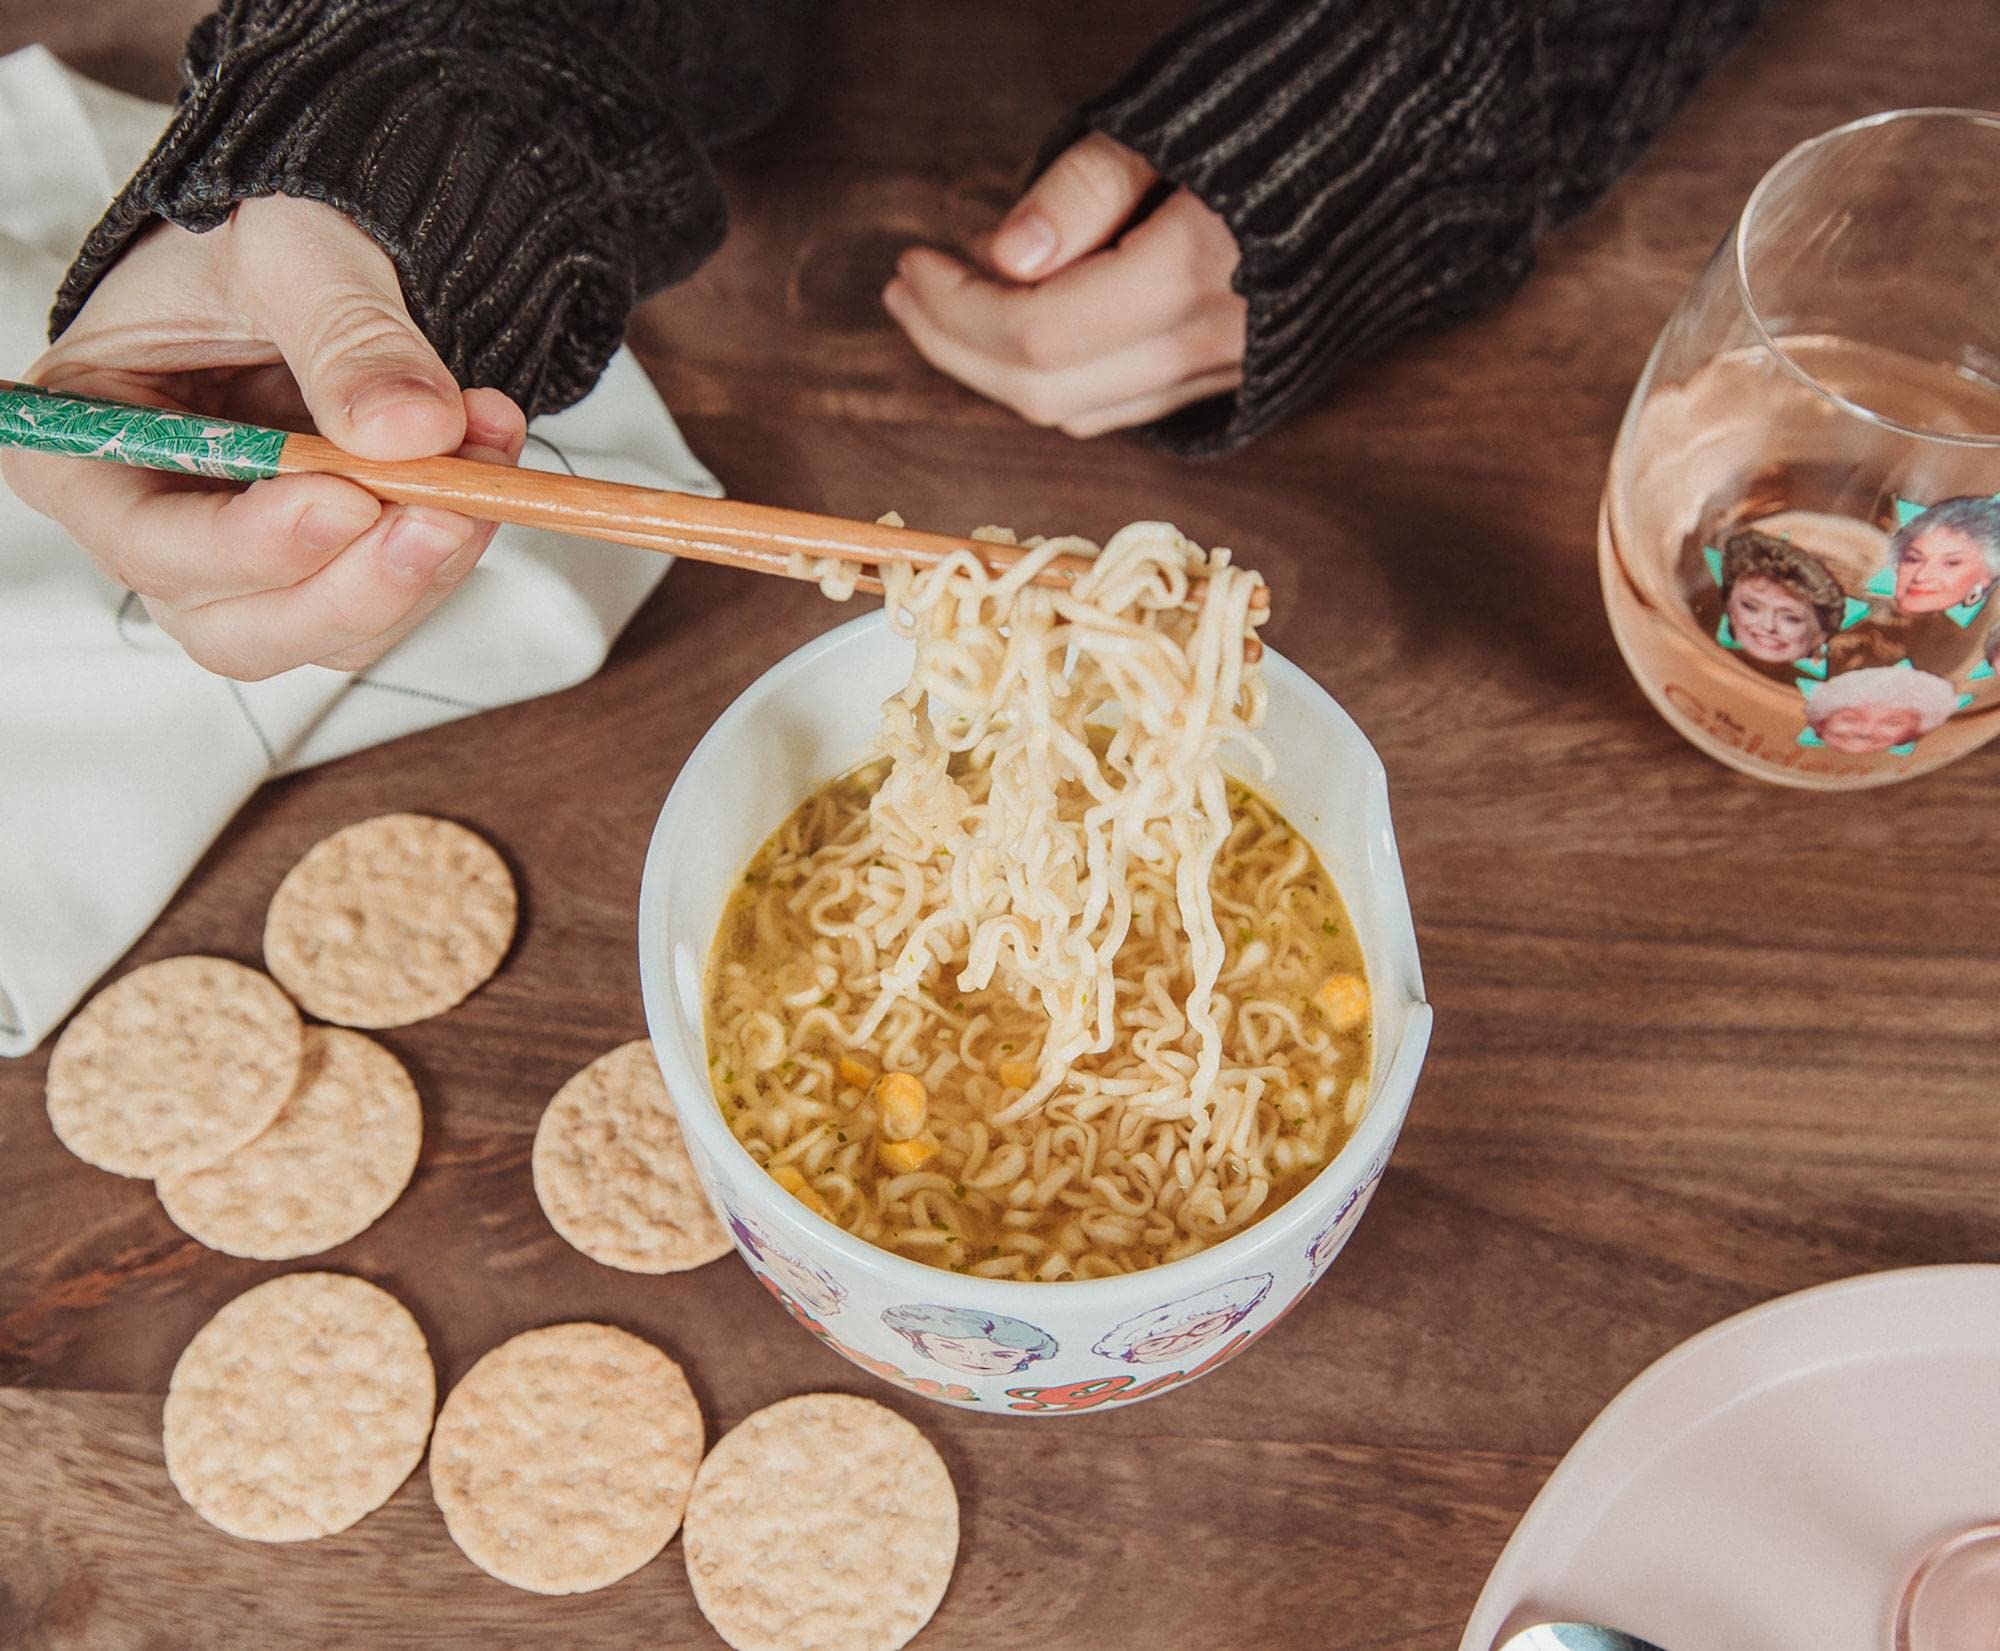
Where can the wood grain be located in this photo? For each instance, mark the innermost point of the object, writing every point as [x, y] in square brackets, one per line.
[1699, 1041]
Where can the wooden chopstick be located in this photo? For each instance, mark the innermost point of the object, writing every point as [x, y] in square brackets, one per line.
[759, 538]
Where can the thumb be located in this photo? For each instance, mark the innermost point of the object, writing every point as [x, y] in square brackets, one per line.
[328, 297]
[1079, 203]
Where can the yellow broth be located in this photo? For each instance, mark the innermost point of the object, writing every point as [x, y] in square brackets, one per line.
[1052, 1195]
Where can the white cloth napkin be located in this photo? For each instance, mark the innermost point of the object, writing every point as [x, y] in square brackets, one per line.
[120, 759]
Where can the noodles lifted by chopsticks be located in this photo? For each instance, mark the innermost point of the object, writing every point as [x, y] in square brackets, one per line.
[1013, 865]
[972, 1002]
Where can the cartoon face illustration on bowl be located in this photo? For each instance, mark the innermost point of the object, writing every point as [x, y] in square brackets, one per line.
[979, 1344]
[1180, 1327]
[1330, 1243]
[800, 1280]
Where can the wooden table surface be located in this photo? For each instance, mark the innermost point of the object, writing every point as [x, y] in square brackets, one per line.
[1699, 1041]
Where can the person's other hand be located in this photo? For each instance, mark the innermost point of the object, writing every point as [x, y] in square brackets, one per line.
[287, 316]
[1077, 325]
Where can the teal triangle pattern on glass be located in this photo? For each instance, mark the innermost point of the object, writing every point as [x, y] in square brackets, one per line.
[1965, 612]
[1808, 738]
[1856, 611]
[1713, 558]
[1982, 672]
[1904, 749]
[1883, 584]
[1908, 510]
[153, 438]
[1725, 633]
[1811, 667]
[1963, 701]
[1807, 686]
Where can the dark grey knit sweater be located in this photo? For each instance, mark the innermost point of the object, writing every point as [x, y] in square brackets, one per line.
[534, 167]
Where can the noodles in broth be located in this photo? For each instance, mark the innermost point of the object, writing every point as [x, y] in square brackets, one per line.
[1041, 993]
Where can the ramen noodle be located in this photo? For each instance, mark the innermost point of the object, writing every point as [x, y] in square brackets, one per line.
[1041, 993]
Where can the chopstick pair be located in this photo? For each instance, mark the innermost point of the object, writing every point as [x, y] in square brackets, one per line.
[759, 538]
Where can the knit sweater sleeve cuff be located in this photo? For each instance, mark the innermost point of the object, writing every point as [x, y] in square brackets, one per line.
[1375, 162]
[504, 180]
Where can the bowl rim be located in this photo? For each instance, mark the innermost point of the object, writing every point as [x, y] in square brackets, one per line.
[1397, 1070]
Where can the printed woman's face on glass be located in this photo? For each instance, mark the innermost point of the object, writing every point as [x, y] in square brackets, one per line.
[1772, 623]
[1939, 569]
[1861, 730]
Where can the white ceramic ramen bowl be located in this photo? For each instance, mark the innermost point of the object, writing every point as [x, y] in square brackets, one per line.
[998, 1345]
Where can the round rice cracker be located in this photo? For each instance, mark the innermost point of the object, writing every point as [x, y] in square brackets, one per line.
[300, 1407]
[390, 921]
[562, 1460]
[612, 1171]
[173, 1067]
[337, 1156]
[822, 1523]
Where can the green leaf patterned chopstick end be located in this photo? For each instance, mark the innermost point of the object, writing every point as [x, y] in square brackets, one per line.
[153, 438]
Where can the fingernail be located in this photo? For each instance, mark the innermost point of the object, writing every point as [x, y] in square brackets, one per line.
[329, 526]
[499, 428]
[1025, 243]
[423, 540]
[893, 295]
[385, 395]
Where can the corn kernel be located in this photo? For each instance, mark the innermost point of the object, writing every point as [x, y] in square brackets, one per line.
[788, 1177]
[1017, 1074]
[858, 1073]
[900, 1157]
[1343, 999]
[900, 1096]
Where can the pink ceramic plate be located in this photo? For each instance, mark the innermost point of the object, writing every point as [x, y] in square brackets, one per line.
[1768, 1485]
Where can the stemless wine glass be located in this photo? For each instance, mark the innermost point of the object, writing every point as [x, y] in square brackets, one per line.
[1800, 538]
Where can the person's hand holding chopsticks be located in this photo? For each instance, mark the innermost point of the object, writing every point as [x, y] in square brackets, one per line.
[287, 316]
